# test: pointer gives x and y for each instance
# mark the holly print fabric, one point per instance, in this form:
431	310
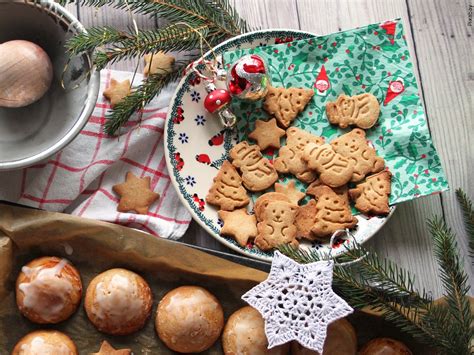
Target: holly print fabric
372	59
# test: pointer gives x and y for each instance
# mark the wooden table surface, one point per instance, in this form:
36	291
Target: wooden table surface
440	42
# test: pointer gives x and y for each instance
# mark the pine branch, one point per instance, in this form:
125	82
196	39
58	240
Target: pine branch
468	214
95	37
140	97
131	45
454	279
401	304
222	20
397	283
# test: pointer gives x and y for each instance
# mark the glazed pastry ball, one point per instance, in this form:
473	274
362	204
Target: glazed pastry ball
118	302
45	342
385	346
189	319
48	290
244	334
341	339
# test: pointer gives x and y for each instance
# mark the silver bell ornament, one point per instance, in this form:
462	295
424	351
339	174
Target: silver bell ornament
248	78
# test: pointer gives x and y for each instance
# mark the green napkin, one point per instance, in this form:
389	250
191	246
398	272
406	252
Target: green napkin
373	59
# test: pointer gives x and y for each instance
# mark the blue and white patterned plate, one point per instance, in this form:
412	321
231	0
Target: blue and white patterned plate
197	144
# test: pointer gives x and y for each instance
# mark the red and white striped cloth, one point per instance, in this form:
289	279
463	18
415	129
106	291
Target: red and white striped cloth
79	179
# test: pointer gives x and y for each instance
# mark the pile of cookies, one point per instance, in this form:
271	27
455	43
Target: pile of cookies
189	319
117	302
335	173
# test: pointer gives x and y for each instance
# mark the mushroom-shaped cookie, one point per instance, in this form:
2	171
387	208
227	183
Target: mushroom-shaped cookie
189	319
385	346
244	334
118	302
45	342
48	290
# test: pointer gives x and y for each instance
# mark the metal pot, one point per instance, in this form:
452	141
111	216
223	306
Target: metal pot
34	133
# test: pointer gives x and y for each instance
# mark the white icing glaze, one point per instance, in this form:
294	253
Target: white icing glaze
37	346
189	310
47	292
118	301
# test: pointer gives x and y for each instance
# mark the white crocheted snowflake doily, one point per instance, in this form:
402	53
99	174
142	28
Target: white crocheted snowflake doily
297	302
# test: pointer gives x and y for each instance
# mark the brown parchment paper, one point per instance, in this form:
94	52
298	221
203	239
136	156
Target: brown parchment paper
94	246
97	246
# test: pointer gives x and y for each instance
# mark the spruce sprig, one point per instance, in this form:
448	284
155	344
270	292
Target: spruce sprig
468	214
140	97
126	45
222	20
455	281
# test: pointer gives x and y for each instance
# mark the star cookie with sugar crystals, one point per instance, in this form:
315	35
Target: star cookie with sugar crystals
107	349
267	134
239	225
158	63
117	91
135	194
297	302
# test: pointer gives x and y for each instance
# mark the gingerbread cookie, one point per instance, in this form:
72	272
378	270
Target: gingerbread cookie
227	191
239	225
333	213
290	190
353	145
135	194
286	104
371	196
117	91
335	170
277	226
257	172
290	157
158	63
341	191
267	134
306	219
360	110
262	202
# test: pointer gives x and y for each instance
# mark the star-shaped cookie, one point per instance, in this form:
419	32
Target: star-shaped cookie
290	191
267	134
107	349
135	194
299	294
239	225
158	63
116	91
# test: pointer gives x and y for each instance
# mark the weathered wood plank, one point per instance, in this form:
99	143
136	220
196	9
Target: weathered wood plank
269	13
444	49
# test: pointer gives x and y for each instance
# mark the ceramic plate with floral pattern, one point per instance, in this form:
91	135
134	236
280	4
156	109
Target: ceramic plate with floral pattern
197	144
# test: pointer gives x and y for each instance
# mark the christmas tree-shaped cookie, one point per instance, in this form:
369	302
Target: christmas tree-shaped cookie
372	196
333	213
286	104
227	191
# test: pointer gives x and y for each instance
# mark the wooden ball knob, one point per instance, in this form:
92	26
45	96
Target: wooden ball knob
26	73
